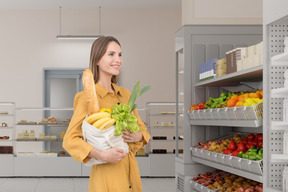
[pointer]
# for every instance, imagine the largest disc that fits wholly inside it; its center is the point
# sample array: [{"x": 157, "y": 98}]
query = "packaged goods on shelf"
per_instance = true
[
  {"x": 4, "y": 124},
  {"x": 285, "y": 179},
  {"x": 208, "y": 69},
  {"x": 46, "y": 154},
  {"x": 159, "y": 151},
  {"x": 159, "y": 138},
  {"x": 221, "y": 67},
  {"x": 26, "y": 154},
  {"x": 6, "y": 149}
]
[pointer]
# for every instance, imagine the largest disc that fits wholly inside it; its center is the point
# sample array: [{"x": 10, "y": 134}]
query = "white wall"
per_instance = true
[
  {"x": 28, "y": 44},
  {"x": 222, "y": 12}
]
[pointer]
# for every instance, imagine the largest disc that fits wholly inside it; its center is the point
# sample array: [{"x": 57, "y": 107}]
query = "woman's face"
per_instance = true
[{"x": 111, "y": 61}]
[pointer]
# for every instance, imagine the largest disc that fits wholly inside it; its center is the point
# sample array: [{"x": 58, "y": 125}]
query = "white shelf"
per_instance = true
[
  {"x": 279, "y": 125},
  {"x": 251, "y": 74},
  {"x": 281, "y": 59},
  {"x": 6, "y": 128},
  {"x": 229, "y": 123},
  {"x": 6, "y": 115},
  {"x": 279, "y": 93},
  {"x": 229, "y": 169}
]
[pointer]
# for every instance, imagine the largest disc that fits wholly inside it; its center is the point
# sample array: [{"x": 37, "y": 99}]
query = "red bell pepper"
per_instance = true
[
  {"x": 235, "y": 153},
  {"x": 227, "y": 151},
  {"x": 241, "y": 147},
  {"x": 232, "y": 146}
]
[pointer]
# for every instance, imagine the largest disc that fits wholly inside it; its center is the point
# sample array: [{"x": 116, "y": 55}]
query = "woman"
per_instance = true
[{"x": 121, "y": 172}]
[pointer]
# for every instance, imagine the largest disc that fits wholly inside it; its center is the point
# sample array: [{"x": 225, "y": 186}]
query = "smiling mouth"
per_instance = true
[{"x": 116, "y": 66}]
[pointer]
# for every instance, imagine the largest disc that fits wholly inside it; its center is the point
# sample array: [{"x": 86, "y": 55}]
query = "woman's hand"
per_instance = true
[
  {"x": 132, "y": 137},
  {"x": 112, "y": 155}
]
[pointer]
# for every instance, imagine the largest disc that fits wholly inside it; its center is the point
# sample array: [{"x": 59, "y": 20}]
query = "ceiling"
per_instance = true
[{"x": 88, "y": 4}]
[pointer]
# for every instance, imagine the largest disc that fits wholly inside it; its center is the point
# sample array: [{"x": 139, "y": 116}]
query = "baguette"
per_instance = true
[{"x": 90, "y": 92}]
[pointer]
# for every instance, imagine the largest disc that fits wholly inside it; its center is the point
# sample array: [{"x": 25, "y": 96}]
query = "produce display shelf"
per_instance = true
[
  {"x": 279, "y": 125},
  {"x": 6, "y": 140},
  {"x": 251, "y": 74},
  {"x": 280, "y": 59},
  {"x": 201, "y": 188},
  {"x": 279, "y": 93},
  {"x": 232, "y": 170},
  {"x": 229, "y": 123}
]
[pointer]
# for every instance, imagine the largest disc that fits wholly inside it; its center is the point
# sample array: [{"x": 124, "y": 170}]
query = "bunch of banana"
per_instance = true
[{"x": 100, "y": 120}]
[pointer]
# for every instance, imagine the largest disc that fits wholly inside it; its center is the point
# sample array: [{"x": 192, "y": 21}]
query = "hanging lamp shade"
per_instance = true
[
  {"x": 83, "y": 37},
  {"x": 69, "y": 37}
]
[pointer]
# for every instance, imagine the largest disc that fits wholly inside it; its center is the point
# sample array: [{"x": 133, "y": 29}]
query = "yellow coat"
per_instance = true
[{"x": 109, "y": 177}]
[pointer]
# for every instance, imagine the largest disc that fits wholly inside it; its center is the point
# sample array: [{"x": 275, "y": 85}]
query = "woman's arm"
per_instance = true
[
  {"x": 73, "y": 141},
  {"x": 112, "y": 155}
]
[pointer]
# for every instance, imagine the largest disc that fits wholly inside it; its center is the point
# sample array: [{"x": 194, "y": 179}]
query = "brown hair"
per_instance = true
[{"x": 99, "y": 48}]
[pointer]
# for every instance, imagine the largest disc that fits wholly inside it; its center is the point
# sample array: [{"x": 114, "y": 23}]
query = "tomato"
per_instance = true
[
  {"x": 259, "y": 137},
  {"x": 251, "y": 137},
  {"x": 244, "y": 141},
  {"x": 259, "y": 144}
]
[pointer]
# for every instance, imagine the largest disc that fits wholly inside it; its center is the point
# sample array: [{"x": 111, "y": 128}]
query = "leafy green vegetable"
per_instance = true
[{"x": 125, "y": 120}]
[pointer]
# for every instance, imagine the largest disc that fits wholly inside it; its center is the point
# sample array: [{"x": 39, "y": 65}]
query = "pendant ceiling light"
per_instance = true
[{"x": 60, "y": 36}]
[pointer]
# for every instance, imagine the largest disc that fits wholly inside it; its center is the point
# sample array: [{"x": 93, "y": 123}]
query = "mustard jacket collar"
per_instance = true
[{"x": 103, "y": 92}]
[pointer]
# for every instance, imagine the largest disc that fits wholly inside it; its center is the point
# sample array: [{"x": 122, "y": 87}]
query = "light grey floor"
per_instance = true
[{"x": 75, "y": 184}]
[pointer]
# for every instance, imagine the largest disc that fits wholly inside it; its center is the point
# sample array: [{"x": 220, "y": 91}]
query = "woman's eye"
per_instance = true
[
  {"x": 111, "y": 54},
  {"x": 120, "y": 54}
]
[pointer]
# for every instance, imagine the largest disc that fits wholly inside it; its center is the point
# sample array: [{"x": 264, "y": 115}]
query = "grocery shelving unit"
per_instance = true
[
  {"x": 199, "y": 44},
  {"x": 161, "y": 147},
  {"x": 29, "y": 159},
  {"x": 275, "y": 62},
  {"x": 7, "y": 115}
]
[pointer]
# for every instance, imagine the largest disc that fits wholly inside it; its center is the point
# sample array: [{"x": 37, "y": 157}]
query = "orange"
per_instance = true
[
  {"x": 234, "y": 97},
  {"x": 239, "y": 104},
  {"x": 231, "y": 102},
  {"x": 246, "y": 95}
]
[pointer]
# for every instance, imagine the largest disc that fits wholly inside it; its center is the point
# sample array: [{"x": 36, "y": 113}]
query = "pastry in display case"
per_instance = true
[{"x": 41, "y": 131}]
